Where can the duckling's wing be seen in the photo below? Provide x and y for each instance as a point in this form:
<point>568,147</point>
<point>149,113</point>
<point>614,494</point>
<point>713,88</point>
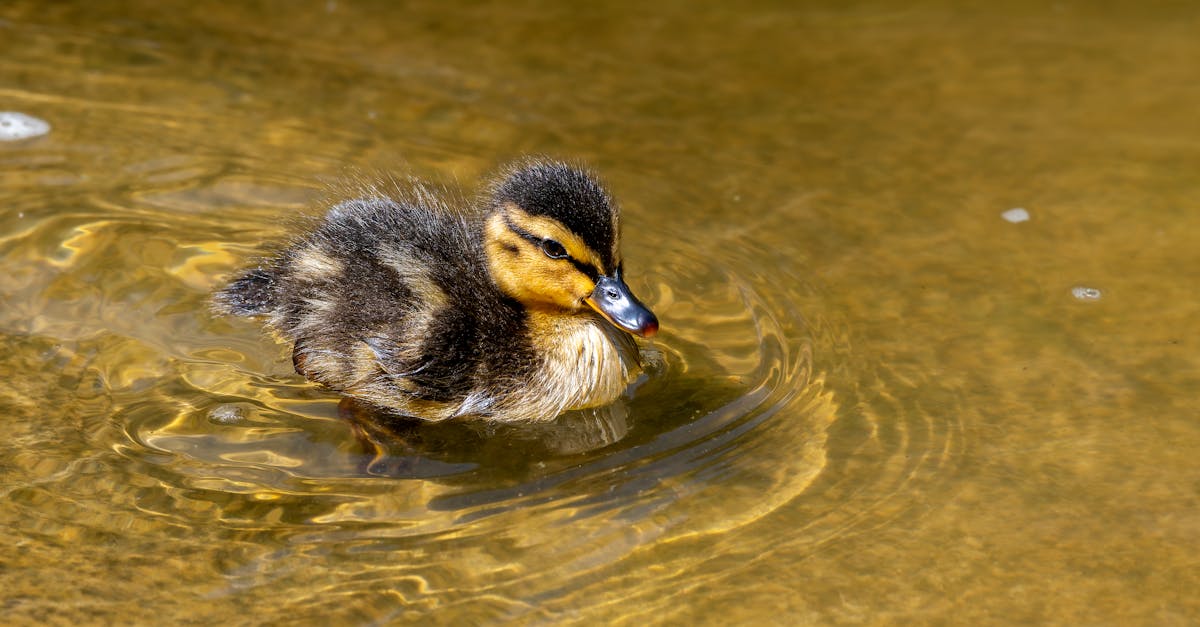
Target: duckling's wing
<point>426,307</point>
<point>389,301</point>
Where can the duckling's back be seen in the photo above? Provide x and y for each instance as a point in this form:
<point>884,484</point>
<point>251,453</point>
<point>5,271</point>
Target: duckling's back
<point>391,302</point>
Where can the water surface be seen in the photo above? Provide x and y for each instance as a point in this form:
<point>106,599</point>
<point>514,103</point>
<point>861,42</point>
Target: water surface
<point>879,400</point>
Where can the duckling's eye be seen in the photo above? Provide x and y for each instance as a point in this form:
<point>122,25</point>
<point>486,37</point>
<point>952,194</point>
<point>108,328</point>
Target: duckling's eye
<point>553,249</point>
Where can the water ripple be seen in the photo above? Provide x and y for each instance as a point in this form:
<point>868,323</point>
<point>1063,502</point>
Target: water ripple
<point>757,402</point>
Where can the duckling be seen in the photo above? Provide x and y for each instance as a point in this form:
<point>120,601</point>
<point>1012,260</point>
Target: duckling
<point>512,310</point>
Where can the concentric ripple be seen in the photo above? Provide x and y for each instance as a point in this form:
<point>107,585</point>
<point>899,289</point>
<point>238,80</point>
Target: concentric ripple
<point>728,426</point>
<point>734,421</point>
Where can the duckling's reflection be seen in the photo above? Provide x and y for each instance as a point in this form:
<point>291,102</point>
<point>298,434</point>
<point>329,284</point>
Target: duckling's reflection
<point>679,385</point>
<point>395,445</point>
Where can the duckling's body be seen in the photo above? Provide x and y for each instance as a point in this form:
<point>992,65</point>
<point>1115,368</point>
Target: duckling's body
<point>434,312</point>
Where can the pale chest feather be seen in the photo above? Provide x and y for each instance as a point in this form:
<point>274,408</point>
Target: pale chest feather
<point>586,362</point>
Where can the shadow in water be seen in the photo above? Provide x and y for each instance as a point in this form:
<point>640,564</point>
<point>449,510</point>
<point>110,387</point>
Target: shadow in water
<point>401,447</point>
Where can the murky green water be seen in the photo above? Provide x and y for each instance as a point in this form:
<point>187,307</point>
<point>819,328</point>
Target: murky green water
<point>880,400</point>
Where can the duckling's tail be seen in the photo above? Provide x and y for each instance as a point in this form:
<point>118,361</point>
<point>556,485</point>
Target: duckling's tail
<point>251,295</point>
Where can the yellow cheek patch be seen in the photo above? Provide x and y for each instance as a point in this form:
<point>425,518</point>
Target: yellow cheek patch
<point>549,228</point>
<point>561,285</point>
<point>525,273</point>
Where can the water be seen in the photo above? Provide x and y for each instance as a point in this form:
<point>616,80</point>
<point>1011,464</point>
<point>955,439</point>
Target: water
<point>879,399</point>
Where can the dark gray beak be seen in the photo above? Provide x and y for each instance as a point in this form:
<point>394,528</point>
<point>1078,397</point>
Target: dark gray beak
<point>613,300</point>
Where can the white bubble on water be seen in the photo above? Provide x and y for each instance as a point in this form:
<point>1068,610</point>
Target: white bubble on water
<point>227,414</point>
<point>1081,292</point>
<point>15,125</point>
<point>1016,215</point>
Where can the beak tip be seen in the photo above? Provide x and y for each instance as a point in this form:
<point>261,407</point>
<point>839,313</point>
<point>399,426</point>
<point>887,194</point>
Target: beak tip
<point>650,329</point>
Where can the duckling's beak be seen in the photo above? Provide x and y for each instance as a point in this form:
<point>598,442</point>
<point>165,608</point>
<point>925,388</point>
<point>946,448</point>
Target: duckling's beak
<point>612,299</point>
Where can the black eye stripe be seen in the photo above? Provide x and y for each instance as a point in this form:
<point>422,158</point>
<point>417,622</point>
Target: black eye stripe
<point>588,269</point>
<point>530,237</point>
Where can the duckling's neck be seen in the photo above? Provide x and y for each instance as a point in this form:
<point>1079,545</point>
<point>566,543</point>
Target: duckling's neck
<point>586,361</point>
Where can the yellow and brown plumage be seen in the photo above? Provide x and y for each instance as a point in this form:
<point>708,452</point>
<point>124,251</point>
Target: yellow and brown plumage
<point>514,310</point>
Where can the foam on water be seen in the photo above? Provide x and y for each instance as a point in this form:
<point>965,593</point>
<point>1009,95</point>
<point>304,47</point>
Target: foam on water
<point>15,126</point>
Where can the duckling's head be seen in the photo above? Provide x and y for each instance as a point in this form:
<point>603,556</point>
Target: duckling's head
<point>552,244</point>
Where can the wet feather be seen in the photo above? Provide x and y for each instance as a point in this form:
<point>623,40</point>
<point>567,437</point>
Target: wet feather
<point>392,299</point>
